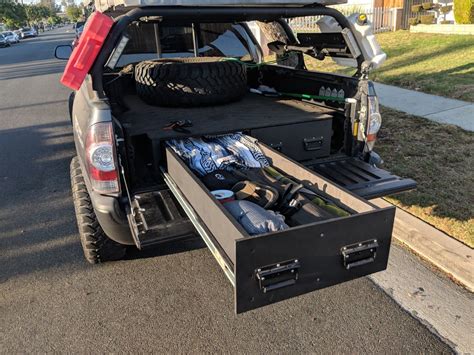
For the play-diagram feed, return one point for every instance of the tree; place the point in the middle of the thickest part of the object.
(464, 11)
(54, 19)
(12, 14)
(50, 4)
(36, 13)
(74, 12)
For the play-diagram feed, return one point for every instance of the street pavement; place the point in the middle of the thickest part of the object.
(172, 299)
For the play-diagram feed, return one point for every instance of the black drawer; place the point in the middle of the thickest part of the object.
(301, 141)
(272, 267)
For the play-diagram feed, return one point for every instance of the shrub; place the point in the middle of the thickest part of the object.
(427, 19)
(464, 11)
(416, 8)
(413, 21)
(427, 5)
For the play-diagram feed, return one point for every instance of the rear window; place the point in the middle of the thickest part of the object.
(214, 40)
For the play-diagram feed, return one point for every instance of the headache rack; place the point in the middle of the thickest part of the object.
(106, 5)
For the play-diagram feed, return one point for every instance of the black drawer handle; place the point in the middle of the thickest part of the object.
(359, 254)
(311, 144)
(278, 275)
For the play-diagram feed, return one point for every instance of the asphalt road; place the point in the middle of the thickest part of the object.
(173, 299)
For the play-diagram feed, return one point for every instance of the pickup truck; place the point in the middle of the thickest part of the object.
(147, 72)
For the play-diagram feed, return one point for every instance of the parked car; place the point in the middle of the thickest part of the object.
(317, 130)
(11, 36)
(4, 42)
(28, 32)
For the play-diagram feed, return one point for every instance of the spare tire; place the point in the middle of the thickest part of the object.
(187, 82)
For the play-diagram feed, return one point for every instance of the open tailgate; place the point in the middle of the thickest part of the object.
(361, 178)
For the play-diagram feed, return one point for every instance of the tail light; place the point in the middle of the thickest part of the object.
(101, 158)
(374, 121)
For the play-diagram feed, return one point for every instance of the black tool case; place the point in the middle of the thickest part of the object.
(272, 267)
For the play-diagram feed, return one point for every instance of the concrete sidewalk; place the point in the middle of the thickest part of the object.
(436, 108)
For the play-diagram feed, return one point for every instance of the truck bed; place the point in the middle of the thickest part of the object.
(253, 111)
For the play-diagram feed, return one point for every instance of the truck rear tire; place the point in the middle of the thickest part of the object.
(188, 82)
(97, 247)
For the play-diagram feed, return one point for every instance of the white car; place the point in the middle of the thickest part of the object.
(11, 37)
(27, 32)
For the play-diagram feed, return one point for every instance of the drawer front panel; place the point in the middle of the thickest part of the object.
(316, 255)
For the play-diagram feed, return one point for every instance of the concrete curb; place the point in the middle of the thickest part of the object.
(444, 252)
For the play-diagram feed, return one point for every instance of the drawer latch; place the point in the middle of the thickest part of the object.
(277, 275)
(359, 254)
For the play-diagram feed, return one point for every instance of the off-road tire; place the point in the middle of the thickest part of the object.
(190, 82)
(97, 247)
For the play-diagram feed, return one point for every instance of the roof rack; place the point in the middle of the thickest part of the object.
(110, 5)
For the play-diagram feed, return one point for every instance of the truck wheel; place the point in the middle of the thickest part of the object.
(186, 82)
(96, 245)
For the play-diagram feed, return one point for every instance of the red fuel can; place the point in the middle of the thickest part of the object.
(83, 56)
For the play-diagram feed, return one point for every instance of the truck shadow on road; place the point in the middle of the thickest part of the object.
(37, 226)
(38, 229)
(176, 247)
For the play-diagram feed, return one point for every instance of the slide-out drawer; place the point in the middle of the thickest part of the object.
(272, 267)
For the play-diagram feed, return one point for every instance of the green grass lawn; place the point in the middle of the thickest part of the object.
(436, 64)
(441, 159)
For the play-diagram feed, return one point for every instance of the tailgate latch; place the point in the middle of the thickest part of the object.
(277, 275)
(359, 254)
